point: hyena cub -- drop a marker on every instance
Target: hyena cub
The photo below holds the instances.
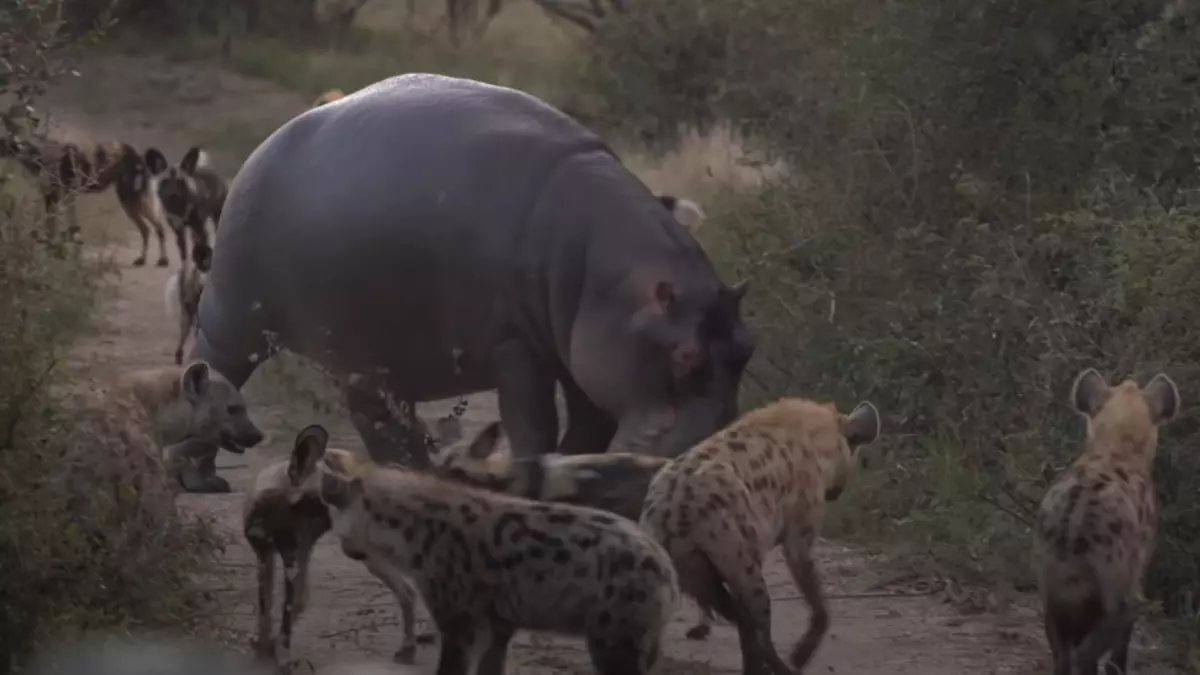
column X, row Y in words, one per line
column 192, row 412
column 1097, row 525
column 615, row 482
column 284, row 516
column 182, row 295
column 489, row 564
column 762, row 481
column 191, row 194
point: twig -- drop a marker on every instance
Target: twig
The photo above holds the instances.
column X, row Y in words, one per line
column 863, row 596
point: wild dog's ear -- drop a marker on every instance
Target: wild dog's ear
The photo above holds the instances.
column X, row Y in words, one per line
column 449, row 430
column 1163, row 397
column 195, row 158
column 862, row 425
column 1089, row 392
column 156, row 161
column 195, row 381
column 485, row 442
column 306, row 452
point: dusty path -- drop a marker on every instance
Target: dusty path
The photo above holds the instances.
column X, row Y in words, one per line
column 876, row 630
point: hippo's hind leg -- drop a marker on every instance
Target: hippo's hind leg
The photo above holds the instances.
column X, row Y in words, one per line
column 589, row 429
column 525, row 389
column 389, row 438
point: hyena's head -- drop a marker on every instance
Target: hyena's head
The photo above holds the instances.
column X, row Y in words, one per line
column 339, row 484
column 176, row 185
column 835, row 438
column 217, row 411
column 483, row 461
column 1125, row 412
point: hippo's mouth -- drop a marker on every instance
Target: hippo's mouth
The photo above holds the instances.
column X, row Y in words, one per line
column 229, row 443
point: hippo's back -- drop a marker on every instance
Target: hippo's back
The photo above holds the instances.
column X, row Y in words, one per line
column 386, row 207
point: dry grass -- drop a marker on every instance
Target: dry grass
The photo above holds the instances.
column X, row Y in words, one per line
column 703, row 162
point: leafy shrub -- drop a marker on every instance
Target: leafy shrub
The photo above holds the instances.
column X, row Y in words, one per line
column 89, row 535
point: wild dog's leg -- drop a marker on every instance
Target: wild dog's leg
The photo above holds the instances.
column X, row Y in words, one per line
column 703, row 627
column 163, row 261
column 495, row 649
column 388, row 439
column 525, row 389
column 185, row 322
column 263, row 645
column 797, row 552
column 132, row 212
column 283, row 650
column 589, row 429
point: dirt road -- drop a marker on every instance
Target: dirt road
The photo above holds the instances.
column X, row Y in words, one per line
column 351, row 618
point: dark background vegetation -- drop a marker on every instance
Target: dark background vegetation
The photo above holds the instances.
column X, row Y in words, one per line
column 982, row 199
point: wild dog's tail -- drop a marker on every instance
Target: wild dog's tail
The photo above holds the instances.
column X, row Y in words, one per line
column 171, row 296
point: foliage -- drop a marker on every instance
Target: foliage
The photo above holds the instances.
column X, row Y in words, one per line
column 88, row 538
column 982, row 200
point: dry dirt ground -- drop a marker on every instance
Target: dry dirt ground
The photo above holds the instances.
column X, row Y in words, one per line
column 877, row 627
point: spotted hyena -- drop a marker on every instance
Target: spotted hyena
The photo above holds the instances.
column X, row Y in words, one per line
column 1097, row 523
column 614, row 481
column 489, row 564
column 720, row 507
column 283, row 516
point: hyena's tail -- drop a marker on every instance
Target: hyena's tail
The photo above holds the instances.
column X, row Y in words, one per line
column 171, row 296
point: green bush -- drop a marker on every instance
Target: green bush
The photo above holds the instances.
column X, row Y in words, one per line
column 89, row 535
column 982, row 200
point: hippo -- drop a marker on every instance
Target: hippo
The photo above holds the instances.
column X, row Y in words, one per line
column 428, row 237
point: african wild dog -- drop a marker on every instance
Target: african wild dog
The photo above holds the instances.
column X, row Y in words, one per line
column 191, row 194
column 63, row 169
column 190, row 412
column 762, row 481
column 182, row 294
column 615, row 482
column 1097, row 524
column 328, row 97
column 284, row 516
column 489, row 564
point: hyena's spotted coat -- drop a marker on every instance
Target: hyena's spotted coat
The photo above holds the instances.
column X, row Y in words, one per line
column 760, row 482
column 488, row 565
column 615, row 481
column 283, row 516
column 1097, row 524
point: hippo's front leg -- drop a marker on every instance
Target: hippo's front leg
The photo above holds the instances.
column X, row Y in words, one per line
column 388, row 439
column 525, row 390
column 589, row 429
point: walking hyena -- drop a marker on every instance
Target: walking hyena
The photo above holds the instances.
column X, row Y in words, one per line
column 489, row 564
column 762, row 481
column 1097, row 523
column 284, row 516
column 190, row 412
column 615, row 481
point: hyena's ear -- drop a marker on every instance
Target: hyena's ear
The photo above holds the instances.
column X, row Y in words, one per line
column 1163, row 397
column 156, row 161
column 195, row 381
column 1089, row 392
column 195, row 158
column 337, row 489
column 862, row 426
column 306, row 452
column 485, row 443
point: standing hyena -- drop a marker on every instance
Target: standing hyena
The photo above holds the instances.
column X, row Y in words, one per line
column 760, row 482
column 1097, row 524
column 488, row 564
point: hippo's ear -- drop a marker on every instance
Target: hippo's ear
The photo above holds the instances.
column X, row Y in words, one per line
column 155, row 161
column 309, row 448
column 1089, row 392
column 195, row 381
column 485, row 443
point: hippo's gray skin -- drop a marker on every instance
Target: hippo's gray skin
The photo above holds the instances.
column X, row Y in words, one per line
column 430, row 237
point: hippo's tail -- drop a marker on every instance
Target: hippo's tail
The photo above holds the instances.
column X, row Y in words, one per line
column 171, row 296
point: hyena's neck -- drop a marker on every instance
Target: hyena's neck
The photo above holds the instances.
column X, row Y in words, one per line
column 1131, row 451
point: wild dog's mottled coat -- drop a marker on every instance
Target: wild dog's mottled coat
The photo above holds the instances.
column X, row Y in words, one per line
column 284, row 516
column 182, row 295
column 761, row 482
column 191, row 194
column 1097, row 524
column 489, row 564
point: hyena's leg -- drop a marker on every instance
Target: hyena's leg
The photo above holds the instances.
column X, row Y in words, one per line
column 703, row 627
column 616, row 656
column 458, row 641
column 201, row 476
column 405, row 597
column 495, row 649
column 1060, row 651
column 1118, row 658
column 131, row 210
column 797, row 552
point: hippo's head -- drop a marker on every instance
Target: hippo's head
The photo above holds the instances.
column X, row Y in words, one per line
column 670, row 371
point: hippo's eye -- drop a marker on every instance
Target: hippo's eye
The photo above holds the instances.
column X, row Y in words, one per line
column 236, row 409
